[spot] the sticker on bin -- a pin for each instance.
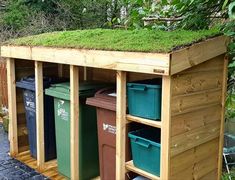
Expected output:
(113, 94)
(109, 128)
(64, 115)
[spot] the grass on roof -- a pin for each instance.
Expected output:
(119, 40)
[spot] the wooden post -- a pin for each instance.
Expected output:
(39, 115)
(224, 93)
(1, 83)
(12, 106)
(85, 73)
(121, 125)
(166, 127)
(74, 124)
(60, 70)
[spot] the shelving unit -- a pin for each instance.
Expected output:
(193, 96)
(148, 122)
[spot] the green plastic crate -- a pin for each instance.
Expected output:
(146, 149)
(144, 99)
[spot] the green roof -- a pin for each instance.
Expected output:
(118, 40)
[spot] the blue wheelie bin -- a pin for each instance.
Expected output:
(27, 84)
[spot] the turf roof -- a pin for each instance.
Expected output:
(118, 40)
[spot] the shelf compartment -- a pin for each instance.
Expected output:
(130, 166)
(148, 122)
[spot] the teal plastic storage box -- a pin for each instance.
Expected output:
(146, 148)
(144, 98)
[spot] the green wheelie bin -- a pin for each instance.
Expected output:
(88, 137)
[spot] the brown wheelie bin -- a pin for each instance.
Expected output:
(105, 102)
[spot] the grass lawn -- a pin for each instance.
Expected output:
(118, 40)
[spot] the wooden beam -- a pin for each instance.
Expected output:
(221, 143)
(74, 124)
(121, 125)
(151, 63)
(11, 84)
(197, 53)
(166, 127)
(39, 115)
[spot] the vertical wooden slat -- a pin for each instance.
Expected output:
(39, 115)
(74, 124)
(224, 93)
(120, 125)
(85, 73)
(60, 70)
(1, 83)
(12, 106)
(165, 129)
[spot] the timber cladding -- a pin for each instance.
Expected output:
(195, 121)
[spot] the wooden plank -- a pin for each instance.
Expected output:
(211, 175)
(74, 124)
(12, 106)
(193, 138)
(193, 101)
(130, 166)
(214, 64)
(121, 125)
(189, 158)
(186, 122)
(224, 93)
(166, 127)
(148, 122)
(205, 166)
(194, 82)
(39, 115)
(197, 53)
(151, 63)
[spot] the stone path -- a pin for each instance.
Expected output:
(12, 169)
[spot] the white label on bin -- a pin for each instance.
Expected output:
(61, 112)
(109, 128)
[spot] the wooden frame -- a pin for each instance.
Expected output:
(39, 114)
(74, 124)
(192, 74)
(224, 93)
(12, 106)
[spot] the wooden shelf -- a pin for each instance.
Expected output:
(130, 166)
(148, 122)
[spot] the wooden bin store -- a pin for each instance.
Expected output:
(193, 99)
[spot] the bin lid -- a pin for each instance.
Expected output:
(86, 89)
(28, 82)
(104, 98)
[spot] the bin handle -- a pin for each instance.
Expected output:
(140, 142)
(61, 86)
(142, 88)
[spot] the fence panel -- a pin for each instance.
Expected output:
(3, 83)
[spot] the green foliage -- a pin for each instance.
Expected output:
(16, 16)
(121, 40)
(186, 14)
(28, 17)
(229, 30)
